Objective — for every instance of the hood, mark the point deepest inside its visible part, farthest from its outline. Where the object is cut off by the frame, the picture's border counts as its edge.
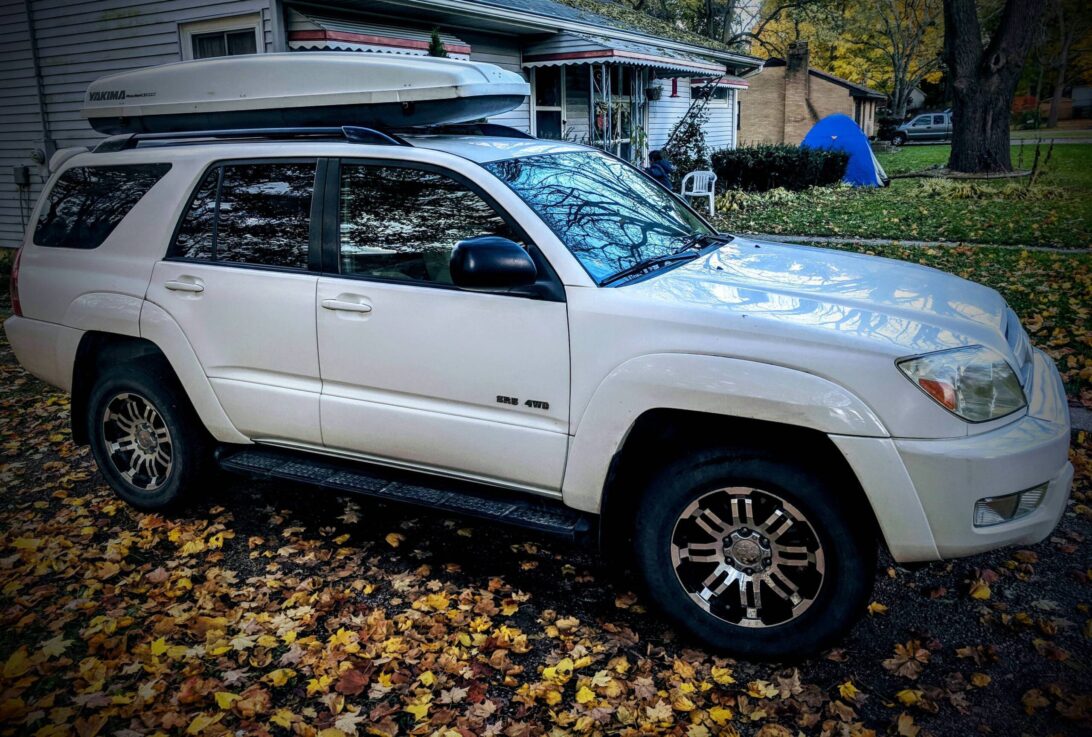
(893, 306)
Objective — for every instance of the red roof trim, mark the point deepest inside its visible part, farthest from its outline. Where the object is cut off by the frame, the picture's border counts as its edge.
(616, 53)
(726, 81)
(365, 39)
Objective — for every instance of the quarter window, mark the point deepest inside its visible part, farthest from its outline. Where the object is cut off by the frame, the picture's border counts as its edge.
(87, 203)
(254, 214)
(402, 223)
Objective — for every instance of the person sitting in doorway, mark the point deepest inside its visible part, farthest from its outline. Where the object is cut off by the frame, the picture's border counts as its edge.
(659, 168)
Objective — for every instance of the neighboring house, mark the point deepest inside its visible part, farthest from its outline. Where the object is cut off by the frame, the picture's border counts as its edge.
(1076, 102)
(618, 80)
(917, 100)
(787, 97)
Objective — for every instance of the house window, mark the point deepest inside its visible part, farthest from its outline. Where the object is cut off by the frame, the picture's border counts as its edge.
(720, 95)
(230, 36)
(549, 87)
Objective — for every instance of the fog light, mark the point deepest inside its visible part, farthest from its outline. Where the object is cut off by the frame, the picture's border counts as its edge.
(993, 510)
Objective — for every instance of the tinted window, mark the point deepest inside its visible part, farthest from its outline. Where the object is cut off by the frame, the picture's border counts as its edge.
(608, 214)
(257, 214)
(195, 236)
(265, 214)
(401, 223)
(88, 202)
(938, 120)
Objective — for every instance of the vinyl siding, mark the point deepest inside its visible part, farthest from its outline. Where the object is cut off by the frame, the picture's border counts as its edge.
(664, 113)
(20, 122)
(721, 128)
(79, 42)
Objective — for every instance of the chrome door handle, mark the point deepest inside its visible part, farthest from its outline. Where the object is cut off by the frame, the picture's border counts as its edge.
(185, 286)
(346, 306)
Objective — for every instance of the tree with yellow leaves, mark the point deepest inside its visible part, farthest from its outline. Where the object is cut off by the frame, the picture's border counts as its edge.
(893, 45)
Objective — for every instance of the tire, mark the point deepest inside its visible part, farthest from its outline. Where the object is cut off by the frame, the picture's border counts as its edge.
(145, 436)
(899, 139)
(826, 554)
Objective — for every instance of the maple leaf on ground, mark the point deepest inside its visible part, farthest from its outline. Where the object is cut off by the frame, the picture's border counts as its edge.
(909, 660)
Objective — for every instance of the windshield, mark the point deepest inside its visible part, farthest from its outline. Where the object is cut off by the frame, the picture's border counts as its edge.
(608, 214)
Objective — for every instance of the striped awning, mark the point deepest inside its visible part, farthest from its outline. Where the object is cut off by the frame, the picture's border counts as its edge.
(576, 48)
(725, 81)
(309, 32)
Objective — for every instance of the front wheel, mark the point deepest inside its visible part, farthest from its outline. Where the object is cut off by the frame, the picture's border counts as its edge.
(753, 554)
(899, 139)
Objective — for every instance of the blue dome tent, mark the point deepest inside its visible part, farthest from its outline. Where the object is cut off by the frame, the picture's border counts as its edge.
(840, 133)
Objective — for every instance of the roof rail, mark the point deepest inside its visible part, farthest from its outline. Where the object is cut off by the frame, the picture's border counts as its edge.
(351, 133)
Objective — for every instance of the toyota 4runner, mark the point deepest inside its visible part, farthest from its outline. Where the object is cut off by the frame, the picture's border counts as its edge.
(536, 333)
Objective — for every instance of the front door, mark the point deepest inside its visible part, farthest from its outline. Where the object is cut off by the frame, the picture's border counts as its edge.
(419, 373)
(237, 282)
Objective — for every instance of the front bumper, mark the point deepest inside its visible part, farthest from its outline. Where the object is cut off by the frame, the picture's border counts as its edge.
(924, 491)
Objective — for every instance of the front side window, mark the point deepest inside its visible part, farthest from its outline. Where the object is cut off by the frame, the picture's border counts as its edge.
(921, 121)
(608, 214)
(256, 214)
(88, 202)
(402, 223)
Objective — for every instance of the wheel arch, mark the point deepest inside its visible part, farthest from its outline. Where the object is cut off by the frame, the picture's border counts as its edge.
(99, 350)
(660, 435)
(96, 352)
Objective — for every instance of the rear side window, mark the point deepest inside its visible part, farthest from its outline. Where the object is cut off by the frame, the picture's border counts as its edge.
(257, 214)
(88, 202)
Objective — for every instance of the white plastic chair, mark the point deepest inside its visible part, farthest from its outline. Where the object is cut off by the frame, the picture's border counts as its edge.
(700, 184)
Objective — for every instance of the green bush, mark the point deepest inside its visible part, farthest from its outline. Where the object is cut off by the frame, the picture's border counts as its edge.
(766, 167)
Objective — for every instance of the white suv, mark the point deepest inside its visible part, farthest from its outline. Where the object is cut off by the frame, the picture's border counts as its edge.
(537, 333)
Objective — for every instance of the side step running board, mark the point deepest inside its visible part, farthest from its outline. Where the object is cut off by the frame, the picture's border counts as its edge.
(434, 492)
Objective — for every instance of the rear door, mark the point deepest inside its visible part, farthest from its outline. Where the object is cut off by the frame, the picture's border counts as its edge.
(417, 372)
(940, 126)
(240, 282)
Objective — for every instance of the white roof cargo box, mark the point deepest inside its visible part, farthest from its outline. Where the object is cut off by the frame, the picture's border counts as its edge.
(301, 89)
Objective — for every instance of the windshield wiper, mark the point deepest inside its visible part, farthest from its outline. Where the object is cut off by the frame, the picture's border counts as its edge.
(701, 240)
(647, 264)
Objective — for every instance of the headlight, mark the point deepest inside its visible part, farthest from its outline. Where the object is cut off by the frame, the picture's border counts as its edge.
(975, 383)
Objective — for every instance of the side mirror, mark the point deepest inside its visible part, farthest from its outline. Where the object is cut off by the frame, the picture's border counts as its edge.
(489, 261)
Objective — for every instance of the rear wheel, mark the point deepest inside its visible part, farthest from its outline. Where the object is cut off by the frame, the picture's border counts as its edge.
(145, 436)
(754, 555)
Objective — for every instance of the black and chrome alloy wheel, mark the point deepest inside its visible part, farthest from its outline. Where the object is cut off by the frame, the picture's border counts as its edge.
(138, 441)
(747, 557)
(146, 438)
(756, 551)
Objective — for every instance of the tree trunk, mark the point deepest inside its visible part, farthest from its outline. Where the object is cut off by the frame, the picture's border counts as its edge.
(984, 81)
(1056, 99)
(1059, 82)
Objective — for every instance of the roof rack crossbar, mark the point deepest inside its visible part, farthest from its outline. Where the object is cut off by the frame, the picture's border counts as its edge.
(351, 133)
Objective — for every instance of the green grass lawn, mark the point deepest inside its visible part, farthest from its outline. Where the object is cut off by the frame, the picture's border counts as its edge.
(1048, 290)
(1056, 211)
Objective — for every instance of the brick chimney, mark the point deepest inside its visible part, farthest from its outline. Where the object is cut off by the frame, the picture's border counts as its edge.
(798, 117)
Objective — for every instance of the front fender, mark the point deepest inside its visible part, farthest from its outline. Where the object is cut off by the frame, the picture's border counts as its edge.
(712, 384)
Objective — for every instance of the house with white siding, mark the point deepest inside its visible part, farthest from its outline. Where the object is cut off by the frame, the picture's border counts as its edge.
(611, 78)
